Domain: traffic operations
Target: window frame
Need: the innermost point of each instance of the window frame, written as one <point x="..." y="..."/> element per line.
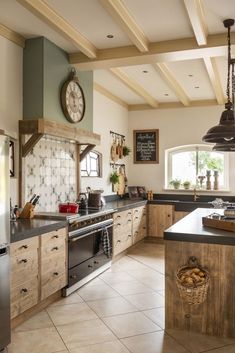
<point x="194" y="148"/>
<point x="99" y="162"/>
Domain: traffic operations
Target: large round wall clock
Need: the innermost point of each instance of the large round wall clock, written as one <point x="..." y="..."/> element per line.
<point x="72" y="99"/>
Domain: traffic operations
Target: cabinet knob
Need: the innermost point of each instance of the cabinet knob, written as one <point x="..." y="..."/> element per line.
<point x="24" y="246"/>
<point x="168" y="215"/>
<point x="90" y="266"/>
<point x="129" y="220"/>
<point x="136" y="217"/>
<point x="24" y="290"/>
<point x="55" y="273"/>
<point x="23" y="261"/>
<point x="55" y="248"/>
<point x="55" y="237"/>
<point x="129" y="235"/>
<point x="129" y="213"/>
<point x="118" y="216"/>
<point x="119" y="241"/>
<point x="96" y="262"/>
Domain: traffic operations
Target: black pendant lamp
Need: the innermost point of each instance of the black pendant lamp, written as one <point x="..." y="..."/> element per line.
<point x="223" y="135"/>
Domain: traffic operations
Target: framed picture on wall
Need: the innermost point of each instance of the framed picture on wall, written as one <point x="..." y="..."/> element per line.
<point x="146" y="146"/>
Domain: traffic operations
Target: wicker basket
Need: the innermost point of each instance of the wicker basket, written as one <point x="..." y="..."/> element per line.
<point x="194" y="293"/>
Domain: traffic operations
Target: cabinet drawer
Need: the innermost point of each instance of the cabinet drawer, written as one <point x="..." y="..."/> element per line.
<point x="53" y="238"/>
<point x="122" y="217"/>
<point x="53" y="280"/>
<point x="24" y="296"/>
<point x="24" y="246"/>
<point x="23" y="266"/>
<point x="121" y="243"/>
<point x="53" y="250"/>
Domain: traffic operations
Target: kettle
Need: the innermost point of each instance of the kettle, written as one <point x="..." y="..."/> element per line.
<point x="82" y="200"/>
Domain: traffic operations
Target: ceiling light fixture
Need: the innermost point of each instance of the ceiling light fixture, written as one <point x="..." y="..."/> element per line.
<point x="223" y="134"/>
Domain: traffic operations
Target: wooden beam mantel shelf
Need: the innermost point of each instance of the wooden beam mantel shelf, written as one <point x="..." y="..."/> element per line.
<point x="40" y="127"/>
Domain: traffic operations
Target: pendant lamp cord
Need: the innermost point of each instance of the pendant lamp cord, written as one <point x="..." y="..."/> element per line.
<point x="229" y="64"/>
<point x="233" y="84"/>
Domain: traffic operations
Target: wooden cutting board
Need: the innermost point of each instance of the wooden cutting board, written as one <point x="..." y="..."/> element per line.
<point x="121" y="183"/>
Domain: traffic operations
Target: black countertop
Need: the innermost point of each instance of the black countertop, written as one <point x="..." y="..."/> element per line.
<point x="190" y="229"/>
<point x="27" y="228"/>
<point x="125" y="204"/>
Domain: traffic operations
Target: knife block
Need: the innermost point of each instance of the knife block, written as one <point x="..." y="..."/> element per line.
<point x="28" y="211"/>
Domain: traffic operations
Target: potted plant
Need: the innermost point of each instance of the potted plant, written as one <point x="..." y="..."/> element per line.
<point x="114" y="177"/>
<point x="176" y="183"/>
<point x="126" y="151"/>
<point x="186" y="184"/>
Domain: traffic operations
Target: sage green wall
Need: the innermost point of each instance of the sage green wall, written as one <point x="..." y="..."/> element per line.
<point x="52" y="68"/>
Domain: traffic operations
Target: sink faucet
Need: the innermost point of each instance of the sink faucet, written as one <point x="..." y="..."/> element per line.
<point x="195" y="195"/>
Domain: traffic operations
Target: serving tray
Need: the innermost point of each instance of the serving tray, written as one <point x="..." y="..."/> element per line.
<point x="222" y="222"/>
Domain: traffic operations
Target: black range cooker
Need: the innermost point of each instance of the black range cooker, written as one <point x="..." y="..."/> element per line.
<point x="89" y="246"/>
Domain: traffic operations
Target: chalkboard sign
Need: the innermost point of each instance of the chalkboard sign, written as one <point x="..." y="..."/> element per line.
<point x="146" y="146"/>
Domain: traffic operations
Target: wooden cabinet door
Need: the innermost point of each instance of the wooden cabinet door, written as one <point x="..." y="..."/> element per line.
<point x="160" y="217"/>
<point x="178" y="215"/>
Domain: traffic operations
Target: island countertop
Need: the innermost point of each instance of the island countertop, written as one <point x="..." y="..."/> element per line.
<point x="191" y="229"/>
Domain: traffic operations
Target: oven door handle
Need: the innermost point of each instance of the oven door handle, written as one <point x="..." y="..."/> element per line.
<point x="90" y="233"/>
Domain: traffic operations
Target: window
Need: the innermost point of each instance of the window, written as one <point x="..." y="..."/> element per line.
<point x="91" y="165"/>
<point x="191" y="163"/>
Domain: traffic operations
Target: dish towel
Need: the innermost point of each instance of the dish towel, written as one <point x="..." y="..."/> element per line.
<point x="105" y="242"/>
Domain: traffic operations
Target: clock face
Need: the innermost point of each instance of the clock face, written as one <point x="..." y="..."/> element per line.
<point x="73" y="102"/>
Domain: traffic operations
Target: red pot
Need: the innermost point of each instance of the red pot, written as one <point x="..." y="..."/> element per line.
<point x="68" y="207"/>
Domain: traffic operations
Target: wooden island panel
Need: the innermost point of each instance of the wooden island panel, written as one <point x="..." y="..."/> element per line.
<point x="216" y="316"/>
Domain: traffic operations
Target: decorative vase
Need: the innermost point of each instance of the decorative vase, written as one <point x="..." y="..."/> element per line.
<point x="208" y="180"/>
<point x="216" y="180"/>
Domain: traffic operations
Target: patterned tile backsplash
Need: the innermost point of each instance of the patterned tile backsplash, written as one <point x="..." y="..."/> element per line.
<point x="50" y="171"/>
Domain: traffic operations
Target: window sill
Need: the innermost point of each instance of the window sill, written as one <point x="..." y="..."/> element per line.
<point x="198" y="190"/>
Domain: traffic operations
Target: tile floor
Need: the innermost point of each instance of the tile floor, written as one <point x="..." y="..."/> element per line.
<point x="121" y="311"/>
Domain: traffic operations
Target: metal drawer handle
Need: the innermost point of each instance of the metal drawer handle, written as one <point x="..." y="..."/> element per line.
<point x="118" y="216"/>
<point x="55" y="248"/>
<point x="24" y="290"/>
<point x="55" y="237"/>
<point x="119" y="241"/>
<point x="136" y="217"/>
<point x="55" y="273"/>
<point x="129" y="220"/>
<point x="129" y="213"/>
<point x="119" y="224"/>
<point x="24" y="247"/>
<point x="129" y="235"/>
<point x="23" y="261"/>
<point x="90" y="266"/>
<point x="73" y="276"/>
<point x="96" y="262"/>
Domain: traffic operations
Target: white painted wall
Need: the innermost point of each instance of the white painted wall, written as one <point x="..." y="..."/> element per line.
<point x="177" y="127"/>
<point x="107" y="116"/>
<point x="11" y="93"/>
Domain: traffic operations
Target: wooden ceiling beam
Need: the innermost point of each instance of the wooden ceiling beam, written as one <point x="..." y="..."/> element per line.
<point x="123" y="17"/>
<point x="109" y="95"/>
<point x="172" y="83"/>
<point x="134" y="86"/>
<point x="12" y="36"/>
<point x="172" y="50"/>
<point x="213" y="74"/>
<point x="197" y="19"/>
<point x="60" y="25"/>
<point x="172" y="105"/>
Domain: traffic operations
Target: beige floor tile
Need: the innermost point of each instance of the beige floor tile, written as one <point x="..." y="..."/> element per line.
<point x="131" y="287"/>
<point x="71" y="299"/>
<point x="40" y="320"/>
<point x="116" y="277"/>
<point x="145" y="301"/>
<point x="99" y="291"/>
<point x="156" y="342"/>
<point x="157" y="316"/>
<point x="85" y="333"/>
<point x="111" y="306"/>
<point x="106" y="347"/>
<point x="69" y="313"/>
<point x="198" y="343"/>
<point x="226" y="349"/>
<point x="45" y="340"/>
<point x="94" y="282"/>
<point x="130" y="324"/>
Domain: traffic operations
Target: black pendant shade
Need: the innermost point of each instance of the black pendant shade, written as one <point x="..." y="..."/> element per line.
<point x="225" y="130"/>
<point x="223" y="134"/>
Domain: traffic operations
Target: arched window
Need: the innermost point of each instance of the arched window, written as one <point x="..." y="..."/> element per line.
<point x="91" y="165"/>
<point x="192" y="162"/>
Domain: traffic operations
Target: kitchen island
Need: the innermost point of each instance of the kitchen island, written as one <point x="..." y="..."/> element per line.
<point x="215" y="251"/>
